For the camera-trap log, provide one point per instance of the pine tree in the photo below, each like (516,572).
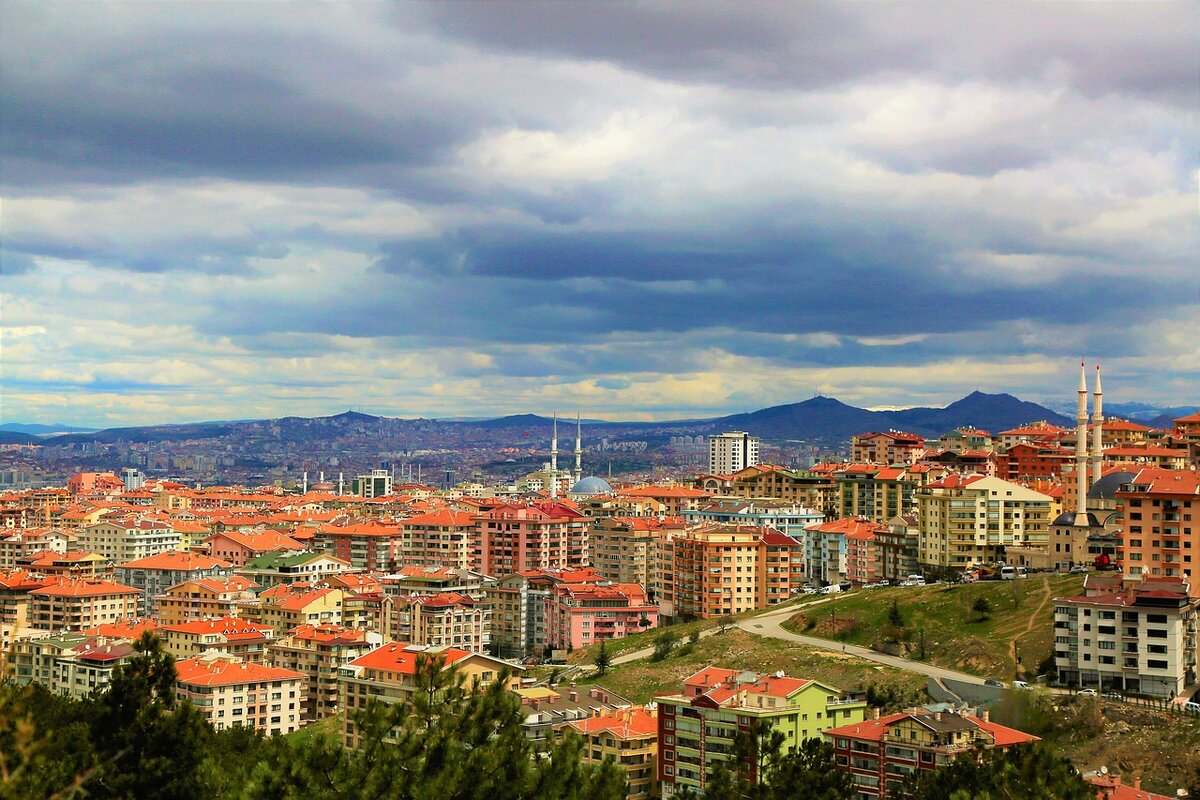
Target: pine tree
(1029,771)
(603,659)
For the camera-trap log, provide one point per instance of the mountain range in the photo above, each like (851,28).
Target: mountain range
(819,419)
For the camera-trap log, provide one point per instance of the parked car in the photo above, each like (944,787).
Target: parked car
(1193,707)
(1087,692)
(1021,685)
(995,683)
(1079,568)
(809,590)
(1112,696)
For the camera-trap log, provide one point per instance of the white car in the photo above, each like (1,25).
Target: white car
(808,590)
(1087,692)
(1021,685)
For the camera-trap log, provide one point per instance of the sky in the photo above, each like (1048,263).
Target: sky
(637,210)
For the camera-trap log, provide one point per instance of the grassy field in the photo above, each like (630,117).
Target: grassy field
(639,681)
(329,725)
(681,630)
(1020,622)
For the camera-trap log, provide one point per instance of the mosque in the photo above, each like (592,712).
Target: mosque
(554,480)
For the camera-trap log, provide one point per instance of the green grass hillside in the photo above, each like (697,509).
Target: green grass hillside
(1019,622)
(640,680)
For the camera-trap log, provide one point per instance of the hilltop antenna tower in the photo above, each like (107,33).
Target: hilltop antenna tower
(578,450)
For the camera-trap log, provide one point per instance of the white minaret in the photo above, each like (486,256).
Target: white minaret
(305,489)
(578,475)
(554,460)
(341,484)
(1097,429)
(1081,418)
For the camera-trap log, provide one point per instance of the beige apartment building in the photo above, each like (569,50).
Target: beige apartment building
(629,737)
(231,692)
(318,651)
(126,540)
(967,520)
(81,603)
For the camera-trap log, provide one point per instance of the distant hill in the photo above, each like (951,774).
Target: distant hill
(16,437)
(35,427)
(823,419)
(827,418)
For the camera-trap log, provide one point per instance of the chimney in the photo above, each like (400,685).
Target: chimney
(1137,783)
(536,703)
(874,713)
(574,695)
(938,716)
(985,715)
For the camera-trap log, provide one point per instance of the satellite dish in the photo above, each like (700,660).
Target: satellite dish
(1104,770)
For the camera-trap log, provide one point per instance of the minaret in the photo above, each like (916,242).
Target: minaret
(304,490)
(554,460)
(1097,429)
(341,485)
(1081,419)
(578,451)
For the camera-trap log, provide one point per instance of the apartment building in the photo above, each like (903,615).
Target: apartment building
(732,452)
(121,541)
(629,738)
(155,574)
(202,598)
(230,635)
(230,692)
(387,674)
(548,711)
(728,569)
(785,517)
(890,448)
(827,550)
(623,548)
(440,538)
(796,487)
(896,546)
(21,542)
(74,604)
(290,566)
(1029,460)
(671,500)
(284,607)
(318,652)
(444,620)
(1160,524)
(518,538)
(578,615)
(72,664)
(241,547)
(696,728)
(373,545)
(880,754)
(1128,635)
(966,520)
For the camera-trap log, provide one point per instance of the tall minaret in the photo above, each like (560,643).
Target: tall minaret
(554,460)
(578,451)
(1097,429)
(1081,418)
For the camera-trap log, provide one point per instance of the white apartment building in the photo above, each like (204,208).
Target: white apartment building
(732,452)
(1127,636)
(127,540)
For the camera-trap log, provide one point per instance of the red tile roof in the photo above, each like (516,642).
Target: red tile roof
(199,671)
(178,561)
(393,657)
(83,587)
(625,723)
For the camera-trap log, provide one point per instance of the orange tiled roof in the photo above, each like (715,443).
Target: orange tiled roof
(623,723)
(393,657)
(179,561)
(199,671)
(83,587)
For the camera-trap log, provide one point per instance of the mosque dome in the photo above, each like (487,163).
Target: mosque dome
(591,485)
(1106,487)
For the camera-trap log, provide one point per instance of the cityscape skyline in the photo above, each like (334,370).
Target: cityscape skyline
(647,212)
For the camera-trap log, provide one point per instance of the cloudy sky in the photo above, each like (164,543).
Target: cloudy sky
(642,210)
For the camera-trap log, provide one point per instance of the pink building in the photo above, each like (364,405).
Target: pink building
(517,538)
(580,614)
(861,556)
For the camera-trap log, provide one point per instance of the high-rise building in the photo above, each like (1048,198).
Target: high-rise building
(377,484)
(732,452)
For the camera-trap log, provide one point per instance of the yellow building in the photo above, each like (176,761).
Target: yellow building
(284,608)
(319,651)
(968,520)
(203,597)
(629,737)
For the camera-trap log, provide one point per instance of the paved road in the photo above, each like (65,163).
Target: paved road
(770,624)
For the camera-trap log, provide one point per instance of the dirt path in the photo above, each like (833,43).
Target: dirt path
(1012,646)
